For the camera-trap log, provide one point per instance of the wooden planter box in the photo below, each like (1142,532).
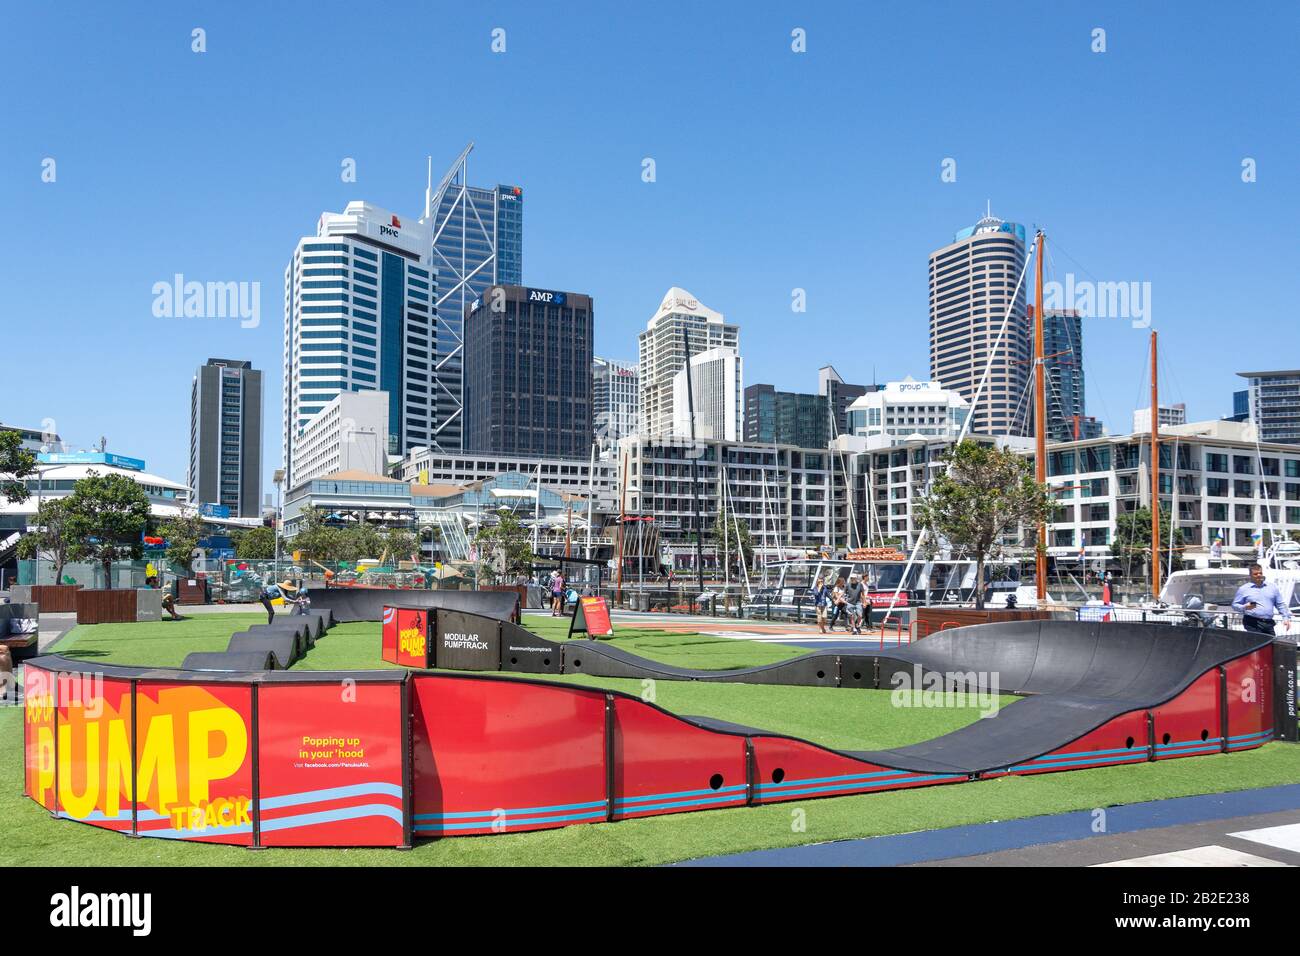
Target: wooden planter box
(103,606)
(928,620)
(53,598)
(187,593)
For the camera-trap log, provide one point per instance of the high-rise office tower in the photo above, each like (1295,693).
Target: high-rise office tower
(839,395)
(1273,404)
(528,372)
(226,436)
(786,418)
(359,316)
(1063,385)
(972,283)
(476,237)
(615,394)
(680,327)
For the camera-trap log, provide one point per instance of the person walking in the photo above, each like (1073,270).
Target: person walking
(1257,602)
(821,598)
(284,589)
(854,595)
(557,594)
(838,609)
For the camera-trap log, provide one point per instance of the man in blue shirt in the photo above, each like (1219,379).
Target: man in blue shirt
(1257,601)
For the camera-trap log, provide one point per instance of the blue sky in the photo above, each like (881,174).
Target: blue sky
(775,171)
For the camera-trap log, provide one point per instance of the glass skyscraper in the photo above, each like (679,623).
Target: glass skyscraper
(1067,417)
(476,238)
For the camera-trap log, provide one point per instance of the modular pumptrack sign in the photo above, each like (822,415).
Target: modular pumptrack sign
(377,758)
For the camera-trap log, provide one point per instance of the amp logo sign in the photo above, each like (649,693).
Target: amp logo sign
(545,298)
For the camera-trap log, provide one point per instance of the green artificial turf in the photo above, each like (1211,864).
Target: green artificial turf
(31,837)
(356,645)
(153,643)
(846,719)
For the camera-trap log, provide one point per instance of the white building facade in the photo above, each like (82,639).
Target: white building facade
(717,388)
(360,316)
(615,389)
(906,410)
(571,475)
(680,327)
(791,498)
(348,434)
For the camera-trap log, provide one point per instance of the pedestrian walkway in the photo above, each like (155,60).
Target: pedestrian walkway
(777,632)
(1262,823)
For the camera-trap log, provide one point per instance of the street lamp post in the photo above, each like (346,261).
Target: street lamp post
(278,478)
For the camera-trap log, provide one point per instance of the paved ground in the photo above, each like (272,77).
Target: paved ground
(1246,828)
(775,632)
(1264,839)
(53,627)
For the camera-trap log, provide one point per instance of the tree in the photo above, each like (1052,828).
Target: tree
(50,537)
(504,545)
(1133,538)
(16,465)
(182,535)
(400,544)
(253,544)
(108,515)
(361,540)
(727,528)
(318,540)
(984,495)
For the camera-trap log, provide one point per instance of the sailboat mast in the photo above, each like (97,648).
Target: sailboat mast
(1155,471)
(1040,422)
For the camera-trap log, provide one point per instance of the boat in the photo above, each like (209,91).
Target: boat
(1205,595)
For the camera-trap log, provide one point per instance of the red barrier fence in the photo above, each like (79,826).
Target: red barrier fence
(374,758)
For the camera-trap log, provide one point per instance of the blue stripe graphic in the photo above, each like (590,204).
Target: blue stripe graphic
(285,823)
(527,821)
(487,813)
(681,793)
(798,790)
(332,793)
(678,804)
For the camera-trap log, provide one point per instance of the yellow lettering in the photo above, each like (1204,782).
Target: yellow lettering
(158,760)
(225,813)
(205,765)
(241,812)
(118,778)
(79,805)
(44,762)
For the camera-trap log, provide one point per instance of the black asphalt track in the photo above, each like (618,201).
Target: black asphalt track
(367,604)
(1074,676)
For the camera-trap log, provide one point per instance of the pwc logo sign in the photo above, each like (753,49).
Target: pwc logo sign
(391,230)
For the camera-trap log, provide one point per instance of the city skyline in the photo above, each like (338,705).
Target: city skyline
(209,207)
